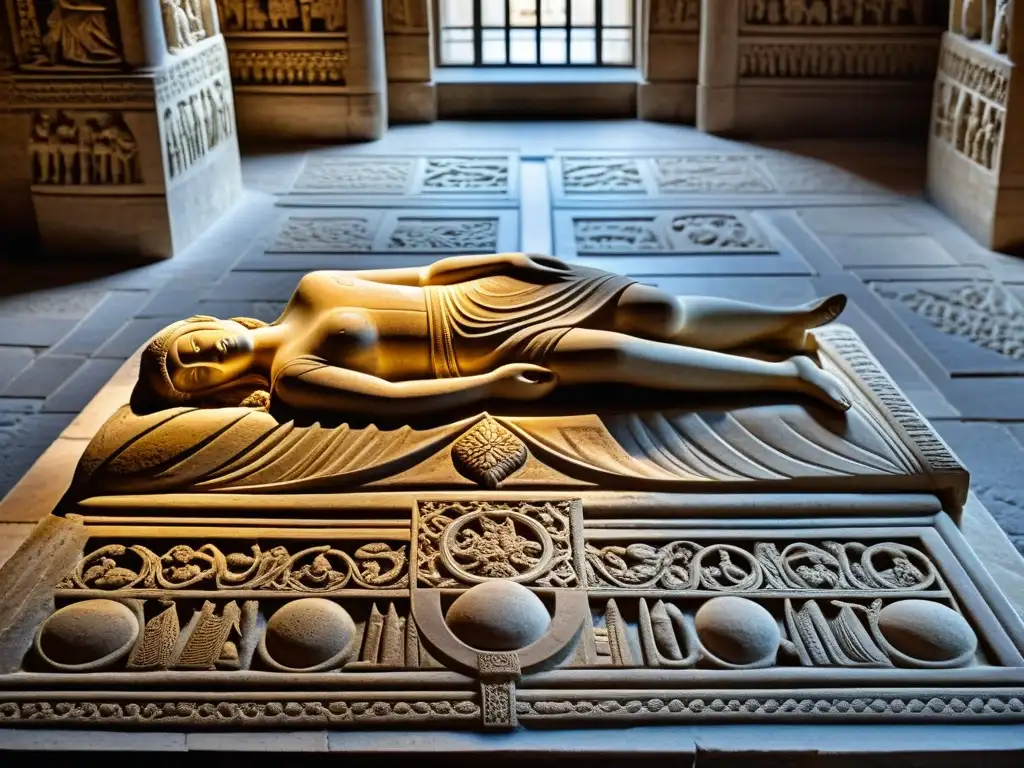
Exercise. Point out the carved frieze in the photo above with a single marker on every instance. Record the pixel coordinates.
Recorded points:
(122, 92)
(675, 15)
(987, 78)
(184, 23)
(968, 123)
(466, 174)
(78, 148)
(905, 60)
(719, 567)
(465, 543)
(321, 568)
(390, 175)
(854, 13)
(291, 67)
(275, 16)
(196, 125)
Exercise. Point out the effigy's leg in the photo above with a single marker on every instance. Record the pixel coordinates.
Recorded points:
(711, 323)
(587, 356)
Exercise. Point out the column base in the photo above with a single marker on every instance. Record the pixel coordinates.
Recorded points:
(309, 114)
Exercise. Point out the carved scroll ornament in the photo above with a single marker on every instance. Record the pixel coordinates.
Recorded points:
(78, 148)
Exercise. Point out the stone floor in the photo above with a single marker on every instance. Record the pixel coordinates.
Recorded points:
(670, 206)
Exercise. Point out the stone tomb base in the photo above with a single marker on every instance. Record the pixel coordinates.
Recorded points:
(766, 564)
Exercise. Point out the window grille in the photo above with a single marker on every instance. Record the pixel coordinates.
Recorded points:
(524, 33)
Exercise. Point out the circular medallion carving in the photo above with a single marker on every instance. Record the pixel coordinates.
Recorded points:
(496, 544)
(87, 635)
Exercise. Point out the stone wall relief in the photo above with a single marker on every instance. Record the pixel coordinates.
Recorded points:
(675, 15)
(856, 13)
(292, 67)
(184, 23)
(906, 60)
(78, 33)
(194, 126)
(282, 15)
(405, 14)
(83, 148)
(968, 122)
(987, 21)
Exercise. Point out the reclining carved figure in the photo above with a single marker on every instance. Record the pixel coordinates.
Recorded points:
(469, 328)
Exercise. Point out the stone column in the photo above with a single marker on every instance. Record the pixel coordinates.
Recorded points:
(307, 69)
(124, 113)
(412, 96)
(784, 68)
(718, 74)
(669, 90)
(975, 154)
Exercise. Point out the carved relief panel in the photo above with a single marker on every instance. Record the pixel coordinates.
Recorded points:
(674, 15)
(82, 148)
(186, 22)
(195, 110)
(989, 22)
(282, 15)
(66, 33)
(856, 13)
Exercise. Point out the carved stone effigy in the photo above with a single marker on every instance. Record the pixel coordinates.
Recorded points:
(973, 171)
(246, 552)
(109, 111)
(307, 69)
(877, 57)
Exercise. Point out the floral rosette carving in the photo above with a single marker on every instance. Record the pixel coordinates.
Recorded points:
(470, 542)
(322, 568)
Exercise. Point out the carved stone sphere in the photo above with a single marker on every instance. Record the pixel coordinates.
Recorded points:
(308, 632)
(88, 634)
(927, 631)
(498, 615)
(737, 630)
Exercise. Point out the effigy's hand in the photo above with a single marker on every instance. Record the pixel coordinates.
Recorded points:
(535, 263)
(521, 381)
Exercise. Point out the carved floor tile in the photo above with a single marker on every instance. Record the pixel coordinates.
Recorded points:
(367, 230)
(661, 178)
(678, 233)
(969, 327)
(386, 180)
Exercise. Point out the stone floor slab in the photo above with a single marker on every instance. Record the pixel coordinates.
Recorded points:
(886, 251)
(102, 322)
(44, 376)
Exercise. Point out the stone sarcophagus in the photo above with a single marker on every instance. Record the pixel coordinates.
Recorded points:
(671, 554)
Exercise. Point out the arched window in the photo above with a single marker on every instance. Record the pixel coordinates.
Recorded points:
(555, 33)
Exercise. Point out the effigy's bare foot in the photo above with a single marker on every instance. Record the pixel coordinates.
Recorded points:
(814, 314)
(821, 384)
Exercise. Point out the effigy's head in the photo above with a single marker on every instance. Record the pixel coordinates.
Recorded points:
(201, 361)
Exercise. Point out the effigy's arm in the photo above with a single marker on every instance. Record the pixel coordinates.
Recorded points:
(330, 388)
(460, 269)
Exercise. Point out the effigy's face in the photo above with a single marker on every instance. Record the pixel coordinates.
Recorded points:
(200, 359)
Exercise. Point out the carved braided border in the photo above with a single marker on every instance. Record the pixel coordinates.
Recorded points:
(945, 706)
(240, 714)
(850, 350)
